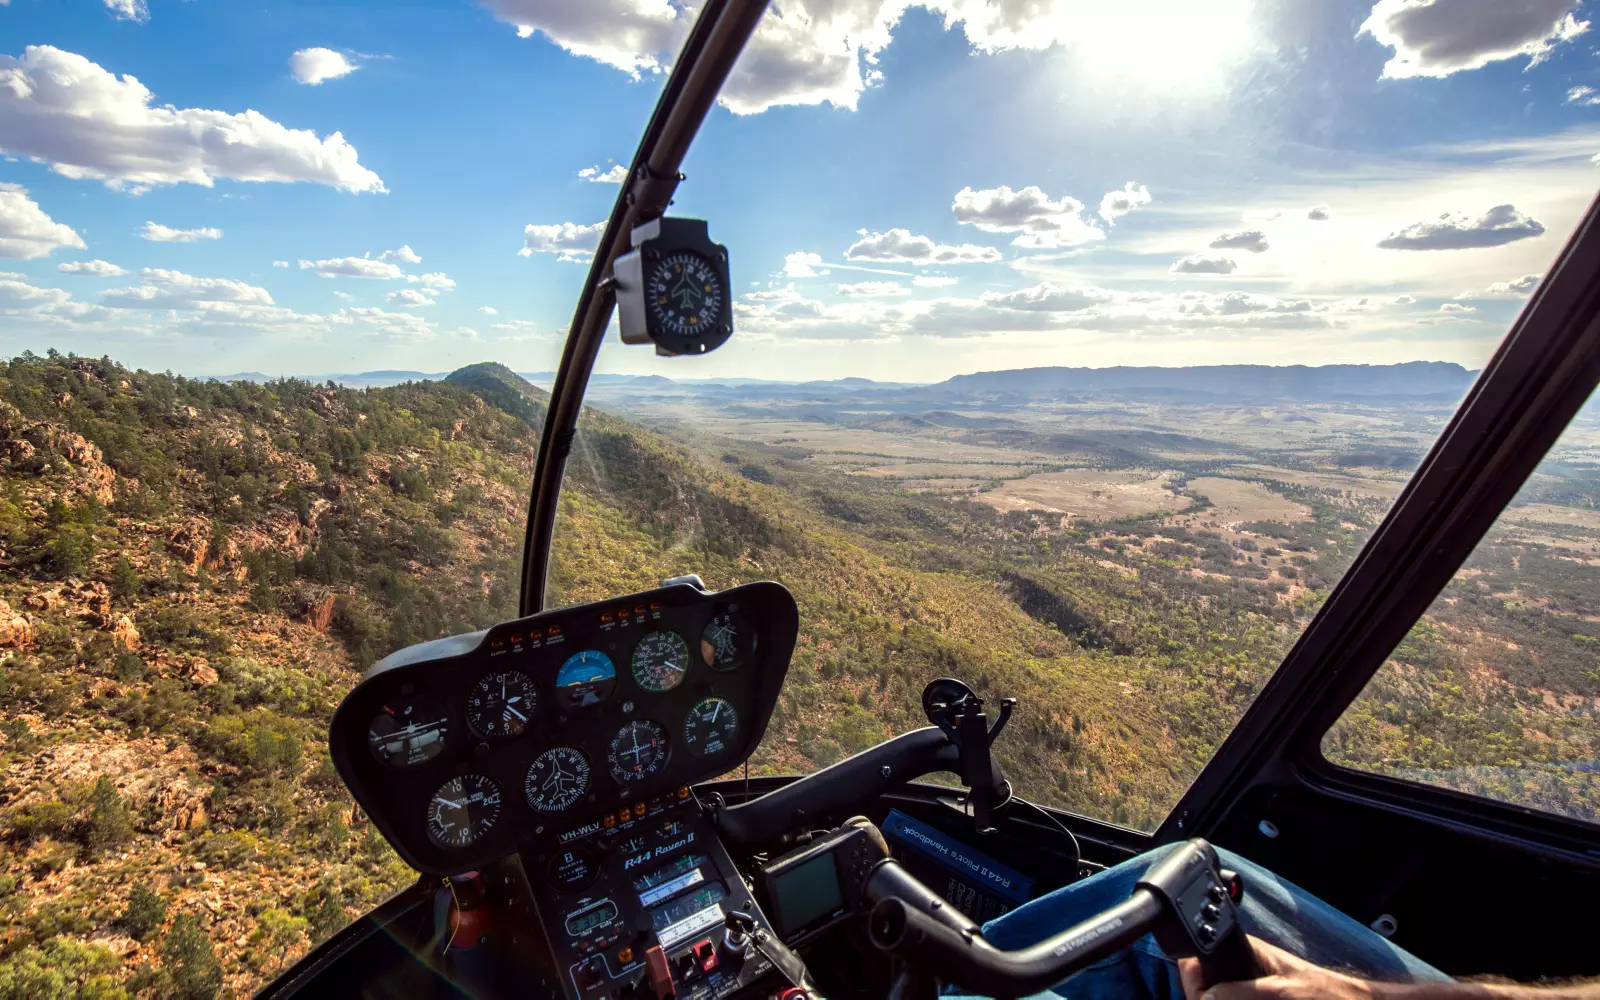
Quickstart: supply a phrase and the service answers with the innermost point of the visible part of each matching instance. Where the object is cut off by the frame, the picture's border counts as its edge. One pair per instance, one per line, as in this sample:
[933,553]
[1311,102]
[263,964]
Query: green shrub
[189,960]
[258,740]
[125,583]
[72,550]
[108,823]
[144,914]
[328,916]
[61,969]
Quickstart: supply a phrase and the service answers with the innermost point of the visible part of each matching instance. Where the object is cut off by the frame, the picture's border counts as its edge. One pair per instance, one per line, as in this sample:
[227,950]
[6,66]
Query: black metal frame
[1538,379]
[718,36]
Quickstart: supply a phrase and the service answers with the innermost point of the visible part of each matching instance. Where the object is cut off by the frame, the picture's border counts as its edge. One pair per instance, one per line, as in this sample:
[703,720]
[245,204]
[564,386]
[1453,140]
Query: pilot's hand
[1284,977]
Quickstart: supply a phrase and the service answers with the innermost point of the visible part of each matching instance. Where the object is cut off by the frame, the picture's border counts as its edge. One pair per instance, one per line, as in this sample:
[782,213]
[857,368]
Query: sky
[907,191]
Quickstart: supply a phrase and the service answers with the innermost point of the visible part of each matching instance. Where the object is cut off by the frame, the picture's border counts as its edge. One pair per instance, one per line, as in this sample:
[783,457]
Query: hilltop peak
[498,385]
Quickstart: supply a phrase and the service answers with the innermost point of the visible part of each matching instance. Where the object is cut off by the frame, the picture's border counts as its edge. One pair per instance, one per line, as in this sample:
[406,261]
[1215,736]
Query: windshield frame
[714,44]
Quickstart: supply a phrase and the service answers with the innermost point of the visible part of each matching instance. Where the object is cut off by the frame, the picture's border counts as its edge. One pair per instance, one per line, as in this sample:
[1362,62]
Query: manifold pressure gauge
[673,289]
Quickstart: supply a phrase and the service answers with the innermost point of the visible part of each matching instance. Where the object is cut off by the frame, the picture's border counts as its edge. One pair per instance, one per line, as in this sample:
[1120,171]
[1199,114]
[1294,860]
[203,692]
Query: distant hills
[1300,382]
[1436,380]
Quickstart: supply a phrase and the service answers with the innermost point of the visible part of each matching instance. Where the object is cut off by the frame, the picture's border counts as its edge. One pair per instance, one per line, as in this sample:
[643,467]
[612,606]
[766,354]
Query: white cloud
[162,289]
[489,310]
[1516,288]
[569,241]
[1404,300]
[1202,264]
[1042,222]
[280,263]
[26,231]
[1456,307]
[434,280]
[128,10]
[594,175]
[801,264]
[382,323]
[92,268]
[353,267]
[789,314]
[404,255]
[343,296]
[1319,213]
[1455,231]
[808,52]
[932,281]
[1116,204]
[1439,37]
[313,66]
[874,289]
[899,245]
[1582,95]
[155,232]
[412,297]
[87,123]
[1253,240]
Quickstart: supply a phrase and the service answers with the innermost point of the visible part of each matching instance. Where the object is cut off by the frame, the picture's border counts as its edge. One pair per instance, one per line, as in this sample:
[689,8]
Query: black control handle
[1233,960]
[1185,900]
[842,787]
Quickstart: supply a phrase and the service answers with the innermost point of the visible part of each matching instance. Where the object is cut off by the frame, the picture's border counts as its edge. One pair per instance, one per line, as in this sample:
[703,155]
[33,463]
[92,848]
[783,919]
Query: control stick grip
[1233,960]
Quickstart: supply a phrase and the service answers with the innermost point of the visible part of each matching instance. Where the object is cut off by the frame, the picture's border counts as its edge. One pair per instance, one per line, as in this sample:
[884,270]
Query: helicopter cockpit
[569,785]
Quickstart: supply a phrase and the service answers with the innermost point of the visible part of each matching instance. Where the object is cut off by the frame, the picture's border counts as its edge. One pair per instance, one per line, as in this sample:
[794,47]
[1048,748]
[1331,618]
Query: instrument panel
[464,749]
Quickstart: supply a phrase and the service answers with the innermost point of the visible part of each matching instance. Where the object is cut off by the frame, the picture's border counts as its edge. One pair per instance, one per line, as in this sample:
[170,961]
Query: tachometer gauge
[638,751]
[406,733]
[585,679]
[556,779]
[502,704]
[660,661]
[728,642]
[683,294]
[711,728]
[463,810]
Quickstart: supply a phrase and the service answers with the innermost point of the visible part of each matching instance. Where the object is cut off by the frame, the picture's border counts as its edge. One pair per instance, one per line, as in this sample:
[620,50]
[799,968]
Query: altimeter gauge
[660,660]
[463,810]
[556,780]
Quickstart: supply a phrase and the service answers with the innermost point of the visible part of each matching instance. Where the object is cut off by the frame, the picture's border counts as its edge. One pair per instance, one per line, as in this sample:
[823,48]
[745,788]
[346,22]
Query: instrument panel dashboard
[464,749]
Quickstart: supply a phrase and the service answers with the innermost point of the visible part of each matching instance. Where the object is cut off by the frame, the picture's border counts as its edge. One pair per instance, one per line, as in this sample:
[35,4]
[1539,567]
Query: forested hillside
[195,572]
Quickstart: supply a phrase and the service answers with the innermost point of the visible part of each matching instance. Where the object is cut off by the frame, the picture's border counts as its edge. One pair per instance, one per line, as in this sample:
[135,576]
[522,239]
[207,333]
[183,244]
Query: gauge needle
[447,802]
[716,710]
[512,711]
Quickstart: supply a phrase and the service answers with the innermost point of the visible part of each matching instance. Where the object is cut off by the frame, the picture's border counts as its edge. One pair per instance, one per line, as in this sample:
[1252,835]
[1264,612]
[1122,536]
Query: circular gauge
[711,728]
[463,810]
[556,779]
[660,661]
[638,750]
[683,294]
[728,642]
[585,679]
[502,704]
[405,733]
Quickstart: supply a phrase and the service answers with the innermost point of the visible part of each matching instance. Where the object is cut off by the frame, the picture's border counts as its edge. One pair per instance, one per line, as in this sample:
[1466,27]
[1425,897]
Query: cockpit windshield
[1077,349]
[1078,357]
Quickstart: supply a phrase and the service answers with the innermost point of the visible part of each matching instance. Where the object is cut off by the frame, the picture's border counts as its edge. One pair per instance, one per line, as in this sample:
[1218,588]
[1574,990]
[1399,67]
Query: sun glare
[1161,44]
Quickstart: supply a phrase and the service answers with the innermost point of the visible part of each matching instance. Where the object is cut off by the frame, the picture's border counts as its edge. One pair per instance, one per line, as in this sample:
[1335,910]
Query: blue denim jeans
[1273,909]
